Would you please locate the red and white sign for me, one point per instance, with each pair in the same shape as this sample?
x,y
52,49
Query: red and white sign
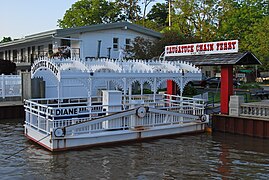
x,y
202,48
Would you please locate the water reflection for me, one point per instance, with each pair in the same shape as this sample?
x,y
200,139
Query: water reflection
x,y
202,156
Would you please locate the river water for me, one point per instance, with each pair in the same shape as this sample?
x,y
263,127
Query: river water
x,y
200,156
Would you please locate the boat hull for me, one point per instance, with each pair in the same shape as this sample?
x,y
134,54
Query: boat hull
x,y
110,137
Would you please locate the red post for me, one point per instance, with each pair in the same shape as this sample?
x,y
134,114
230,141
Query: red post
x,y
171,87
226,87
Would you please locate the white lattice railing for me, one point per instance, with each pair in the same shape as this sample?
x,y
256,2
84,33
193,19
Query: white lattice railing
x,y
10,86
129,120
254,110
47,114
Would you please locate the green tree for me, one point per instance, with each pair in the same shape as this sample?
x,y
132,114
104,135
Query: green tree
x,y
172,37
145,49
129,10
237,18
149,24
6,39
141,48
258,41
159,14
146,3
88,12
195,17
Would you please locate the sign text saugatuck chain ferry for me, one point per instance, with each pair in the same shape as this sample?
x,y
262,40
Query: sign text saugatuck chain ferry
x,y
93,102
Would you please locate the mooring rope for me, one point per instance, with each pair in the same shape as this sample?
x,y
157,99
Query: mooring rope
x,y
24,148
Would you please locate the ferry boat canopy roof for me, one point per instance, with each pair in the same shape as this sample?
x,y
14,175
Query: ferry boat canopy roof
x,y
246,58
77,78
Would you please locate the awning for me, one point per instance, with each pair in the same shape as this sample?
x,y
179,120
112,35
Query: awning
x,y
246,58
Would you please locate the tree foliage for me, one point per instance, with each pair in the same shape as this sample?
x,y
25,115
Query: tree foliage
x,y
88,12
258,41
146,3
6,39
195,17
159,14
192,21
129,10
145,49
141,48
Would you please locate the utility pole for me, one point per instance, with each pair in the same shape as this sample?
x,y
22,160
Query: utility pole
x,y
169,14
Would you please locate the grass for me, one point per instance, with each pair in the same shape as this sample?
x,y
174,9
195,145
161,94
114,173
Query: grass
x,y
250,86
214,97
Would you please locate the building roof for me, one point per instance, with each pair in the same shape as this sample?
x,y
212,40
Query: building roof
x,y
246,58
117,25
77,30
30,38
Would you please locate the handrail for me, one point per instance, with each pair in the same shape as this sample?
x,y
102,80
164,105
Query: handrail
x,y
254,110
53,113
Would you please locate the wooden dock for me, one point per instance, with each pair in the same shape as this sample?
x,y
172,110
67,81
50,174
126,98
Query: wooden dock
x,y
11,110
250,126
253,120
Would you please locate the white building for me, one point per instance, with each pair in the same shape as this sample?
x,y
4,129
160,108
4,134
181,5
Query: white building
x,y
95,41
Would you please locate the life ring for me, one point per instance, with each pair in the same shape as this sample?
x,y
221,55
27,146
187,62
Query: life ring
x,y
141,112
59,132
203,118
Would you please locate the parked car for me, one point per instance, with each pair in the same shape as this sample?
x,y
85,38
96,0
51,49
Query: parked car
x,y
197,82
216,82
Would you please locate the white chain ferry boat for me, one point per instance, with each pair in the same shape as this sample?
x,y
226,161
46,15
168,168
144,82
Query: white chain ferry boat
x,y
92,102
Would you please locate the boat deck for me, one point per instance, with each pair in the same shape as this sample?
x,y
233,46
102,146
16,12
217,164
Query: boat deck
x,y
71,123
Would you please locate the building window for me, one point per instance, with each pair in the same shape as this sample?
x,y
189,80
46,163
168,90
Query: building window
x,y
1,55
40,51
50,47
22,58
127,44
208,73
28,54
9,54
15,53
6,56
115,44
66,42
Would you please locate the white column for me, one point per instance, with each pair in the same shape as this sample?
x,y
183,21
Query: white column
x,y
81,50
59,92
154,89
181,90
130,91
141,90
90,97
124,92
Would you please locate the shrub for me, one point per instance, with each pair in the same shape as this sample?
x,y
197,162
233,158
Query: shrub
x,y
250,86
7,67
189,90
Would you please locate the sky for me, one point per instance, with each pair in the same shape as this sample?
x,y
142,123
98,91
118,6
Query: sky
x,y
20,18
25,17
